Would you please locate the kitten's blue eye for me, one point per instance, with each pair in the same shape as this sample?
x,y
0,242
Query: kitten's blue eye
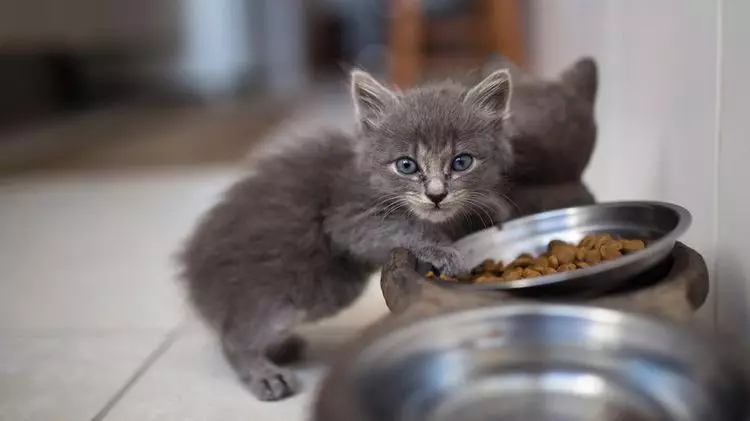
x,y
406,166
462,162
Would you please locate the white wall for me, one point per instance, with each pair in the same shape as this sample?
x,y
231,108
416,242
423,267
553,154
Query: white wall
x,y
733,263
657,107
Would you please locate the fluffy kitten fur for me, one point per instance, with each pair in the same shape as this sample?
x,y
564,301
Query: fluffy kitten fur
x,y
553,133
295,241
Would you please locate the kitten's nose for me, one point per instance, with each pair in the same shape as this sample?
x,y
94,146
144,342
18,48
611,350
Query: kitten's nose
x,y
436,197
435,190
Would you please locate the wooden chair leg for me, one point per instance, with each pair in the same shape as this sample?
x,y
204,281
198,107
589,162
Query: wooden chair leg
x,y
506,23
406,33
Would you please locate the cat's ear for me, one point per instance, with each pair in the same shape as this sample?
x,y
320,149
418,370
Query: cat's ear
x,y
371,99
492,94
582,77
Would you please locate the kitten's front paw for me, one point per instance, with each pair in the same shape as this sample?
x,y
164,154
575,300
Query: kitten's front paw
x,y
445,259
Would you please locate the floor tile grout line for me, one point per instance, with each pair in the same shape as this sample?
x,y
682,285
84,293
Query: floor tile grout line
x,y
140,371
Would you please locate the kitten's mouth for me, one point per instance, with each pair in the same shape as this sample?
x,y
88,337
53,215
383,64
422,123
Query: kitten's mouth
x,y
435,213
427,210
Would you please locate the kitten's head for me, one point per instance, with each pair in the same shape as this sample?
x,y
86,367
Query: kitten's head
x,y
437,151
553,126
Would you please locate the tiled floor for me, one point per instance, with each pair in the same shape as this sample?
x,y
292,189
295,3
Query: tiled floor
x,y
92,322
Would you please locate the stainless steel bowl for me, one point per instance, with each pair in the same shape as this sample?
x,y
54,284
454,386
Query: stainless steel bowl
x,y
660,224
548,362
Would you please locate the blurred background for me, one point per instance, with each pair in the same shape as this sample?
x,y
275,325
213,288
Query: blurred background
x,y
120,122
88,68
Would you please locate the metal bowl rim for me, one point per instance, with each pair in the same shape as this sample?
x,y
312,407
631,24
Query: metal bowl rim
x,y
588,313
684,220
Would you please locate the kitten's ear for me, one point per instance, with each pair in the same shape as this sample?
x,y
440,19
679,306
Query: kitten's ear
x,y
371,99
583,78
492,94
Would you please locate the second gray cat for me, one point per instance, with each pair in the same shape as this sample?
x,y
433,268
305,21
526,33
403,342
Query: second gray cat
x,y
553,133
295,240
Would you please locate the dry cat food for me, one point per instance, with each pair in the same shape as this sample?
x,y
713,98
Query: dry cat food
x,y
560,257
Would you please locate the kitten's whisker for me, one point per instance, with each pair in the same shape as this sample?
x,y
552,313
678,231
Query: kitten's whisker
x,y
385,200
384,205
480,205
390,203
395,203
510,201
462,211
493,211
506,202
501,199
501,202
393,210
389,211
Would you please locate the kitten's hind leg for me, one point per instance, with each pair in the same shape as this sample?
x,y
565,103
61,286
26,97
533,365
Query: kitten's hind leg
x,y
247,342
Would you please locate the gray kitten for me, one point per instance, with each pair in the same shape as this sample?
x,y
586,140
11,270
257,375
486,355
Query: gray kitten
x,y
553,133
295,241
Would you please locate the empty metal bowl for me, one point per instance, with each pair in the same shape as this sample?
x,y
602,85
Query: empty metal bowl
x,y
659,224
547,363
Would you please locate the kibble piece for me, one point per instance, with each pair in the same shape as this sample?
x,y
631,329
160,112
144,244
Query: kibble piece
x,y
630,246
513,275
487,278
583,265
566,267
601,240
511,269
565,254
581,253
554,244
587,242
549,271
571,266
541,262
525,258
609,252
593,257
537,268
430,274
553,262
531,273
523,261
487,265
